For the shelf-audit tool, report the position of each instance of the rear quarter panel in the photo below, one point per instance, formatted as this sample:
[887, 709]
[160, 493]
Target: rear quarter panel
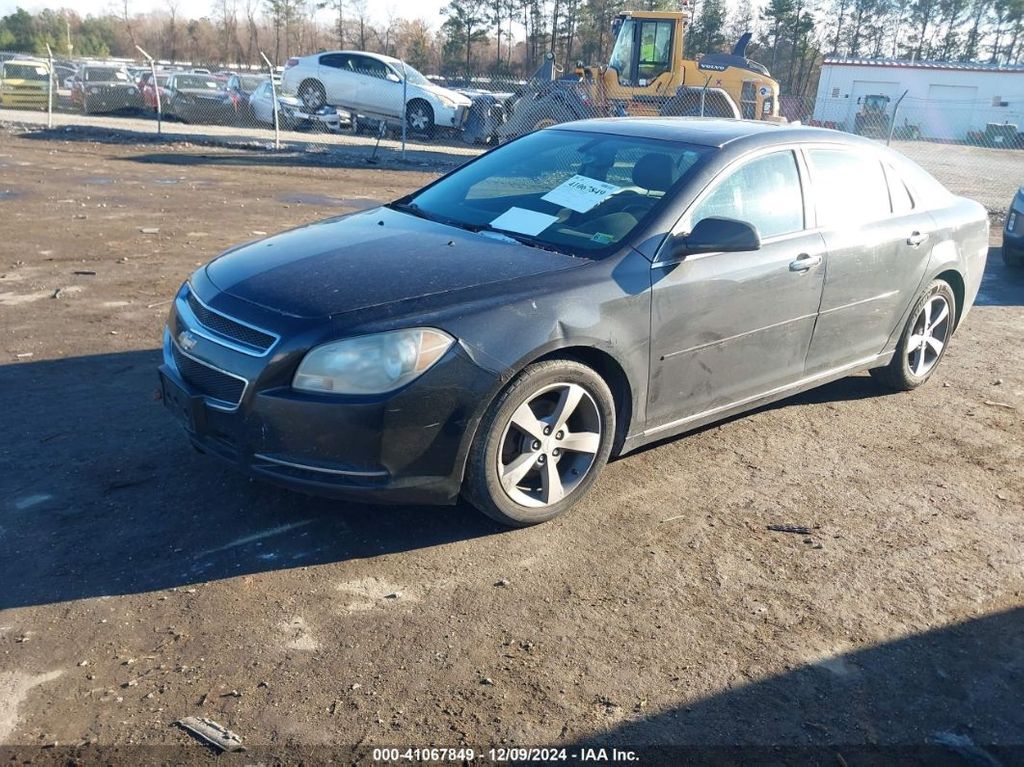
[964, 225]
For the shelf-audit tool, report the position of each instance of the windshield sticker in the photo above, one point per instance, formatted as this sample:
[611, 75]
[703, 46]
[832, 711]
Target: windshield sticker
[580, 193]
[601, 238]
[523, 221]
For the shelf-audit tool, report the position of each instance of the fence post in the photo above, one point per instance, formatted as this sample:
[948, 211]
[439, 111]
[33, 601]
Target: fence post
[49, 88]
[156, 92]
[273, 95]
[895, 111]
[405, 106]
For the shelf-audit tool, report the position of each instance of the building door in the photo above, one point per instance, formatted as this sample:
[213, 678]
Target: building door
[949, 111]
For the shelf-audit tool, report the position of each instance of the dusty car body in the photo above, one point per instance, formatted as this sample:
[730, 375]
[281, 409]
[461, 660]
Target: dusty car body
[499, 335]
[25, 84]
[104, 88]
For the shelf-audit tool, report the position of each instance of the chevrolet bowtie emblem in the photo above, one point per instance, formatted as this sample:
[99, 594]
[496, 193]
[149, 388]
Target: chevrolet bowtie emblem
[187, 340]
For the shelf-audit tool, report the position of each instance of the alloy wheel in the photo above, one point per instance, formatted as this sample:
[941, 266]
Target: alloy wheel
[312, 98]
[929, 336]
[549, 445]
[419, 120]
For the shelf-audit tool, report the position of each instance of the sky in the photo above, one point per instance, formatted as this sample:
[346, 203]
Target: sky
[428, 10]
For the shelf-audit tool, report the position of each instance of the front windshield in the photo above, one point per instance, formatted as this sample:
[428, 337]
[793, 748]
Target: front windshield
[198, 82]
[572, 191]
[25, 71]
[412, 74]
[622, 54]
[106, 75]
[251, 83]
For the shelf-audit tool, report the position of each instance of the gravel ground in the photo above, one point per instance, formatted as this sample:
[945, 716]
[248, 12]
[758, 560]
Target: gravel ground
[142, 582]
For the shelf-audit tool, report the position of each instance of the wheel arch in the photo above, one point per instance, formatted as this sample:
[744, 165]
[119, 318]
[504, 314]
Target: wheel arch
[956, 282]
[603, 362]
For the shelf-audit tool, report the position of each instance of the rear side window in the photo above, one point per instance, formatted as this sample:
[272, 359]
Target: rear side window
[764, 192]
[849, 187]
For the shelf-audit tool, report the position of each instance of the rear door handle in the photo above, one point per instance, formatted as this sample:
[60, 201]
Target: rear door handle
[916, 238]
[804, 262]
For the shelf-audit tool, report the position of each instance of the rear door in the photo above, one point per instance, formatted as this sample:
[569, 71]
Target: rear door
[337, 73]
[727, 327]
[876, 257]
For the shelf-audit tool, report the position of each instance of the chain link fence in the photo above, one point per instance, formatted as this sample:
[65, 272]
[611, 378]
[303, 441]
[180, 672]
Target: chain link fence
[976, 149]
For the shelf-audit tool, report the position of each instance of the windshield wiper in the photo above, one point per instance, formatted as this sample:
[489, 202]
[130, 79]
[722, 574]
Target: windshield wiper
[524, 239]
[415, 210]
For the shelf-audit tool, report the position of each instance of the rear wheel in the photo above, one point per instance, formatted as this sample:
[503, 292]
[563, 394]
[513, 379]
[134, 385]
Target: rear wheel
[313, 95]
[542, 444]
[924, 340]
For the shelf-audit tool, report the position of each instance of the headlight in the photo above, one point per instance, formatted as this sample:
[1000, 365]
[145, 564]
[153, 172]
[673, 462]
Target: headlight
[94, 90]
[446, 100]
[371, 364]
[1018, 203]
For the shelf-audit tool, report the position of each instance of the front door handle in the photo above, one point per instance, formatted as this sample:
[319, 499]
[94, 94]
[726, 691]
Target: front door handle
[804, 262]
[916, 238]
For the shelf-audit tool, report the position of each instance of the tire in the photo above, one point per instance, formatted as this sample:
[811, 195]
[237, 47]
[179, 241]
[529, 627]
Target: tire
[312, 95]
[924, 340]
[1012, 257]
[419, 117]
[533, 399]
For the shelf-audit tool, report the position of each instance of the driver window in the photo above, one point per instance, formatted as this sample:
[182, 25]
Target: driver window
[655, 49]
[764, 192]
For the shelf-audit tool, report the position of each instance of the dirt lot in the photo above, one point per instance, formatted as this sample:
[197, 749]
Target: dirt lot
[141, 582]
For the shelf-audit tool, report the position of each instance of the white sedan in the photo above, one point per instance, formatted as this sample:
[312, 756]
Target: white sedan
[372, 85]
[292, 113]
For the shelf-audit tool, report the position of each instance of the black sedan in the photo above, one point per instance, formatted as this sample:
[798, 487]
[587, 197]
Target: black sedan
[569, 296]
[200, 99]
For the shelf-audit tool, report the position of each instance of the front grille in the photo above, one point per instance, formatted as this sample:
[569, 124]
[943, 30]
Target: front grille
[229, 328]
[207, 380]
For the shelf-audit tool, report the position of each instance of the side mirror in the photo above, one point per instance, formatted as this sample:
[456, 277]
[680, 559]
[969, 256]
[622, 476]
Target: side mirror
[393, 77]
[718, 235]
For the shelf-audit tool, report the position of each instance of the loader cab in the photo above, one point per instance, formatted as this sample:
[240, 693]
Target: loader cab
[644, 49]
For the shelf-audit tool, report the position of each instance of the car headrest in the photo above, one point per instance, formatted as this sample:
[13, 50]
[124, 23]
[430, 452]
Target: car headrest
[653, 172]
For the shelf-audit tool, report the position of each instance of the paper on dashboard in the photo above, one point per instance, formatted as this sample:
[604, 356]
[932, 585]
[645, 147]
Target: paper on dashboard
[523, 221]
[580, 193]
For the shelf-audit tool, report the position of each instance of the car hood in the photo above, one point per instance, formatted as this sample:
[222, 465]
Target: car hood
[18, 82]
[460, 99]
[374, 257]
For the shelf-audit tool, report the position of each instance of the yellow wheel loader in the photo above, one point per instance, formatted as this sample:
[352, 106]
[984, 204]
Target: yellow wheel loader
[647, 75]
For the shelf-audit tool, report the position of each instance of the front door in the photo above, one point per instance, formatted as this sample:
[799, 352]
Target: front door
[727, 327]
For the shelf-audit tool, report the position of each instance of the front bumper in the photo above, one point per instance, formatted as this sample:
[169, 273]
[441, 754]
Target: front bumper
[24, 99]
[407, 446]
[112, 100]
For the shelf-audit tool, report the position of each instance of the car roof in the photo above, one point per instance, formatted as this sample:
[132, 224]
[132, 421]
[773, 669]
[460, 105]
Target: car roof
[368, 54]
[708, 131]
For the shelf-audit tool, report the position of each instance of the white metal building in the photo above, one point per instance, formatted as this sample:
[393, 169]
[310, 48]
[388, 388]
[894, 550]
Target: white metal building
[944, 99]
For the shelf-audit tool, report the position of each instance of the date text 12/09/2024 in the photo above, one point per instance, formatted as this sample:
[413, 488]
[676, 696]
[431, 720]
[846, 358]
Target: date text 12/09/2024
[505, 754]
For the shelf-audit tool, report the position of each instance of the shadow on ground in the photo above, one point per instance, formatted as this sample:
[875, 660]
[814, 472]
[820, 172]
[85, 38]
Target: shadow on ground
[1001, 285]
[101, 494]
[948, 696]
[243, 150]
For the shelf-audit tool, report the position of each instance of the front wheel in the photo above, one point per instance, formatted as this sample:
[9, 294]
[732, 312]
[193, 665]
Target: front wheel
[419, 116]
[542, 444]
[924, 340]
